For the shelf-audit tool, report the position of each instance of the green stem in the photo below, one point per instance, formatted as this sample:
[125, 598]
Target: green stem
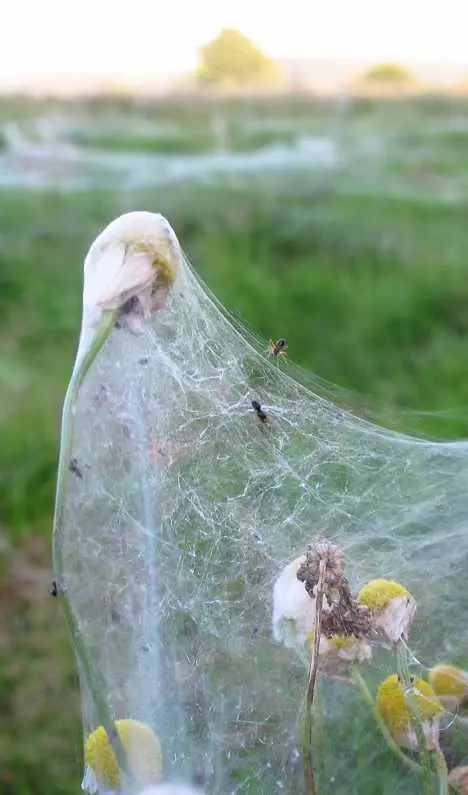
[307, 750]
[442, 772]
[320, 741]
[93, 679]
[393, 746]
[415, 717]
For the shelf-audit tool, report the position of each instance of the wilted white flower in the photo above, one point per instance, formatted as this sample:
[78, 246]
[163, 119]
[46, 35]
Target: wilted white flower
[392, 706]
[292, 607]
[131, 265]
[392, 609]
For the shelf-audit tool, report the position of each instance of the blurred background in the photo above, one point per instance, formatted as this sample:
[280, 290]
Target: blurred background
[315, 167]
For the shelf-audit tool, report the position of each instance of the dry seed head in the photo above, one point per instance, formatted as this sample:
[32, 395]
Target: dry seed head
[333, 558]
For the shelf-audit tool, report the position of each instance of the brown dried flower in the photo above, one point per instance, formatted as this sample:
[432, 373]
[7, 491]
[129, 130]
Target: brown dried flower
[308, 573]
[342, 615]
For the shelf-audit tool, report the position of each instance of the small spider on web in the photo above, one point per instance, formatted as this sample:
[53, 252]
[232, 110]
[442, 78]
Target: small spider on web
[277, 348]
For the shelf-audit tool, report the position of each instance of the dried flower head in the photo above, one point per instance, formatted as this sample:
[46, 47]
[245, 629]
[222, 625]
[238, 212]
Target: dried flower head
[292, 606]
[309, 571]
[450, 683]
[143, 750]
[393, 708]
[459, 778]
[392, 608]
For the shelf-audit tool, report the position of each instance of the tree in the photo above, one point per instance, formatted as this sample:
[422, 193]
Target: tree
[389, 74]
[232, 59]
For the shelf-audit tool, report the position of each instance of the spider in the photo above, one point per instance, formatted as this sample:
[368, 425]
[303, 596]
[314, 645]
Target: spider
[73, 467]
[277, 348]
[261, 414]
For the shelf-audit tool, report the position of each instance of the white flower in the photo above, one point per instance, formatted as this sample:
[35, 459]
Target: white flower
[135, 258]
[127, 258]
[392, 608]
[293, 608]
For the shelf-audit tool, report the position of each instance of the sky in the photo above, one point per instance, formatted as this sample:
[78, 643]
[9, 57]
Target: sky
[142, 36]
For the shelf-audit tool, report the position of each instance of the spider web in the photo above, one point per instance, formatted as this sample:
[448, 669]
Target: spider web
[182, 507]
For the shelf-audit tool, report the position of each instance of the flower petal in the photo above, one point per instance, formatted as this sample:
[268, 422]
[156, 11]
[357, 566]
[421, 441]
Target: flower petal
[116, 275]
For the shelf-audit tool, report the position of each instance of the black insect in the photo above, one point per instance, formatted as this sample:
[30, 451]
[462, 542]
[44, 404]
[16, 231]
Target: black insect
[143, 360]
[101, 395]
[73, 467]
[54, 591]
[412, 679]
[277, 348]
[131, 305]
[262, 415]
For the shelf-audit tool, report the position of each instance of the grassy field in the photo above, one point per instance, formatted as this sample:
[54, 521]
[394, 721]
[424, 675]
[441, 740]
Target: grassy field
[362, 268]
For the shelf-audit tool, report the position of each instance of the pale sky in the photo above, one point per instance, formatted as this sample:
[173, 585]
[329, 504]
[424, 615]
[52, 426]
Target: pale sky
[137, 36]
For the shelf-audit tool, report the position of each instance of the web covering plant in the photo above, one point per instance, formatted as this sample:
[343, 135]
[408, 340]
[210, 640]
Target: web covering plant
[177, 508]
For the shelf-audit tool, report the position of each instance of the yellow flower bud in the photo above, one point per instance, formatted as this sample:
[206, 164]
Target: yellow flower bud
[393, 708]
[450, 683]
[143, 751]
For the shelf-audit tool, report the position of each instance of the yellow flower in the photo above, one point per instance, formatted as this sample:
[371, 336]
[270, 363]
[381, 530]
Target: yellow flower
[292, 606]
[348, 649]
[392, 607]
[143, 752]
[450, 683]
[393, 708]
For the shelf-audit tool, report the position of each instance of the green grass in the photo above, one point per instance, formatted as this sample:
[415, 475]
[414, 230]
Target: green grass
[370, 292]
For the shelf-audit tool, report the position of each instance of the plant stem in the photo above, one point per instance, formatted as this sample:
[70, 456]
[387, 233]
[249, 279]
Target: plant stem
[415, 717]
[93, 679]
[441, 766]
[307, 753]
